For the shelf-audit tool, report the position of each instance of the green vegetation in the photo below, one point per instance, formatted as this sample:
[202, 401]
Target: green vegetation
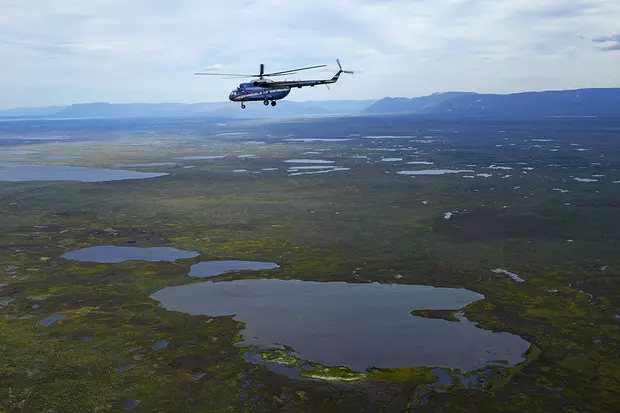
[447, 315]
[361, 225]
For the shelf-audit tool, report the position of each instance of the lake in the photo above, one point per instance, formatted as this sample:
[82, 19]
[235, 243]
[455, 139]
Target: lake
[70, 173]
[435, 172]
[113, 254]
[357, 325]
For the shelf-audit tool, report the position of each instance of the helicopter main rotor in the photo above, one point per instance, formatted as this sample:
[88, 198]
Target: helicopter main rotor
[261, 74]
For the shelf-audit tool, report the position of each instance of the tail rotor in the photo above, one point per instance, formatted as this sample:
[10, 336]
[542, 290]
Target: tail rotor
[350, 72]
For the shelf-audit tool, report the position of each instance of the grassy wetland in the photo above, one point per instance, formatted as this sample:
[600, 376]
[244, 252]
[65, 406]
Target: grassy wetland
[525, 214]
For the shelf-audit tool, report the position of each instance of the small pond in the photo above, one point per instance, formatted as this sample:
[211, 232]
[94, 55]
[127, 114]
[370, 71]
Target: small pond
[52, 319]
[357, 325]
[212, 268]
[304, 161]
[113, 254]
[144, 165]
[435, 172]
[70, 173]
[200, 157]
[62, 157]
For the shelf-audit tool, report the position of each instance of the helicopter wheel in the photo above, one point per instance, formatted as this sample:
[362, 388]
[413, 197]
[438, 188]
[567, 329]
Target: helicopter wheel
[242, 106]
[273, 103]
[266, 102]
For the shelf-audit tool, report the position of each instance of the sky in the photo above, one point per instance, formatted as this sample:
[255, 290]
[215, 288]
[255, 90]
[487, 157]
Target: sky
[57, 52]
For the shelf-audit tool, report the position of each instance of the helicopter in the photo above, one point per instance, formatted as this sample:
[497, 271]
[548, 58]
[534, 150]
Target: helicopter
[269, 91]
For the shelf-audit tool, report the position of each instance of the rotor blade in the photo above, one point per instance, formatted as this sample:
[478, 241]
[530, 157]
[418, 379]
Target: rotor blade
[224, 74]
[262, 70]
[279, 74]
[293, 70]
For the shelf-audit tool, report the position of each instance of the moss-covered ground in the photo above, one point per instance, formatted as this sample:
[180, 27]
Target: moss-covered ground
[364, 224]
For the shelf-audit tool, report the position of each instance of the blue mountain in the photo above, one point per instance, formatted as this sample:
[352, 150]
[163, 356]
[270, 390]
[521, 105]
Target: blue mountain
[580, 102]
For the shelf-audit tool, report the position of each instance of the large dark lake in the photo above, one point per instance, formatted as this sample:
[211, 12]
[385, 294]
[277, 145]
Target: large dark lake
[357, 325]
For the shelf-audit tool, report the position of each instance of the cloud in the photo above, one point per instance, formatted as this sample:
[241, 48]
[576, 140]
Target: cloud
[213, 67]
[65, 51]
[607, 39]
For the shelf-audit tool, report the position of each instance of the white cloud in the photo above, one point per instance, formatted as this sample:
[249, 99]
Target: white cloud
[612, 42]
[64, 51]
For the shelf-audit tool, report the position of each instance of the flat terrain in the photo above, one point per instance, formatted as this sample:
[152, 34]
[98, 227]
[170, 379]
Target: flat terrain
[526, 213]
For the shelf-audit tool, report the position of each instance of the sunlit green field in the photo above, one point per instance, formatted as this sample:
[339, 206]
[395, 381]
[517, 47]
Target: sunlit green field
[519, 209]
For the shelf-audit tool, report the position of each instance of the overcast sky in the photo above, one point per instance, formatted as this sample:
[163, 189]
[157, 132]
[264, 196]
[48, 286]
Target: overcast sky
[69, 51]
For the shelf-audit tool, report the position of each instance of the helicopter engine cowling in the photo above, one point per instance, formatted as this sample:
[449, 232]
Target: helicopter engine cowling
[262, 82]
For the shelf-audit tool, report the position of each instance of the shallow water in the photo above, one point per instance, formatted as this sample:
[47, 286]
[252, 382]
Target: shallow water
[160, 345]
[317, 140]
[213, 268]
[114, 254]
[308, 161]
[311, 167]
[435, 172]
[16, 152]
[51, 320]
[512, 275]
[63, 157]
[6, 302]
[131, 404]
[358, 325]
[585, 180]
[335, 169]
[140, 165]
[124, 368]
[70, 173]
[388, 137]
[200, 157]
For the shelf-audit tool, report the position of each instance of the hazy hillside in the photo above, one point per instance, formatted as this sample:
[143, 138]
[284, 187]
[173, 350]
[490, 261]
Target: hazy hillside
[581, 102]
[416, 104]
[135, 110]
[219, 109]
[31, 112]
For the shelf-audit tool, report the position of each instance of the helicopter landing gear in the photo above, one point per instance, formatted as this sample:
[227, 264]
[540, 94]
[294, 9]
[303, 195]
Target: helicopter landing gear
[273, 103]
[266, 102]
[243, 106]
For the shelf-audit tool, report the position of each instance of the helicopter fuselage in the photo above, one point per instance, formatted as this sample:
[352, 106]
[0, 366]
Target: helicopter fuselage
[248, 92]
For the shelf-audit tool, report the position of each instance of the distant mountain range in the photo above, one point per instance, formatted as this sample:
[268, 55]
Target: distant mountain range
[580, 102]
[31, 112]
[167, 110]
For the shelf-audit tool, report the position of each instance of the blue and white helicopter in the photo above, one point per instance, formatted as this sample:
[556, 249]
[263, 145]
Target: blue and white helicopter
[268, 91]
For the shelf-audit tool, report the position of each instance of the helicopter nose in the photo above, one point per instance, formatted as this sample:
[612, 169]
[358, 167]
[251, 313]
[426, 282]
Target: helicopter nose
[232, 95]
